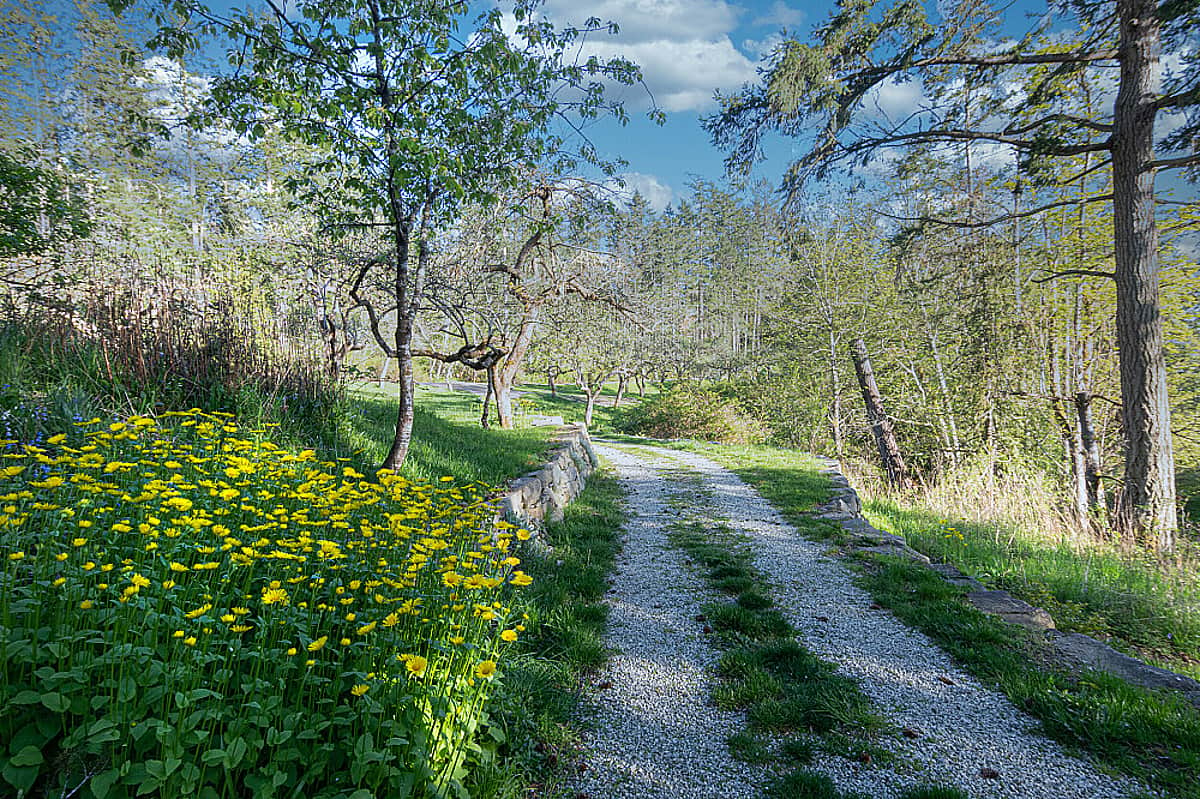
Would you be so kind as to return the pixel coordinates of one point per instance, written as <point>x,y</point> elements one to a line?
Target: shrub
<point>692,413</point>
<point>188,609</point>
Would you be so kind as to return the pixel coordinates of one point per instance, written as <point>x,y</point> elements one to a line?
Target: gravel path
<point>654,734</point>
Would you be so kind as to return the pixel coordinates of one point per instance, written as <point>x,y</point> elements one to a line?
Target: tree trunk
<point>405,314</point>
<point>1090,450</point>
<point>1147,505</point>
<point>591,407</point>
<point>622,380</point>
<point>487,399</point>
<point>504,376</point>
<point>550,375</point>
<point>1073,449</point>
<point>405,396</point>
<point>640,380</point>
<point>881,425</point>
<point>383,369</point>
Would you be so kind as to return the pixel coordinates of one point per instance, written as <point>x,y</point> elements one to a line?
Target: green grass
<point>1152,736</point>
<point>1149,735</point>
<point>790,696</point>
<point>1147,608</point>
<point>534,713</point>
<point>537,709</point>
<point>447,438</point>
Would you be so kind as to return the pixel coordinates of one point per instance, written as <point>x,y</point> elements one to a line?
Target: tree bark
<point>1090,450</point>
<point>1146,509</point>
<point>503,377</point>
<point>881,424</point>
<point>487,397</point>
<point>591,407</point>
<point>622,380</point>
<point>550,375</point>
<point>406,390</point>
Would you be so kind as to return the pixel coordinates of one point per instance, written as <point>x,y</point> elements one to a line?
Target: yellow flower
<point>178,567</point>
<point>274,596</point>
<point>316,645</point>
<point>228,618</point>
<point>16,555</point>
<point>344,642</point>
<point>360,689</point>
<point>509,635</point>
<point>198,612</point>
<point>182,504</point>
<point>291,650</point>
<point>366,628</point>
<point>391,620</point>
<point>139,580</point>
<point>190,640</point>
<point>416,665</point>
<point>177,634</point>
<point>523,534</point>
<point>11,471</point>
<point>61,556</point>
<point>458,639</point>
<point>520,578</point>
<point>87,604</point>
<point>78,542</point>
<point>485,669</point>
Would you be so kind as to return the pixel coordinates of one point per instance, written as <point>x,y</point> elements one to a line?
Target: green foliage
<point>37,210</point>
<point>691,413</point>
<point>184,603</point>
<point>53,373</point>
<point>537,705</point>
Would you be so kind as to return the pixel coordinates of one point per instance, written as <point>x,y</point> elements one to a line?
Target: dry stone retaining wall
<point>1074,649</point>
<point>541,495</point>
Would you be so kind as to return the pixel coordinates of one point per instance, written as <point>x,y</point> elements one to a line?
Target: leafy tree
<point>416,108</point>
<point>37,209</point>
<point>867,44</point>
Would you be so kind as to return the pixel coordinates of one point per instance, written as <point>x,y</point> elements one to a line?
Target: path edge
<point>844,508</point>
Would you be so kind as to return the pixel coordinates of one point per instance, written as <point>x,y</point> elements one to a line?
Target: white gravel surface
<point>654,734</point>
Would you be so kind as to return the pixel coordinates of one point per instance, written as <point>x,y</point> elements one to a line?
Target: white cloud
<point>682,46</point>
<point>651,20</point>
<point>658,194</point>
<point>761,48</point>
<point>896,99</point>
<point>781,15</point>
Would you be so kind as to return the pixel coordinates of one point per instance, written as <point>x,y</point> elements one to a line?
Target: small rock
<point>707,629</point>
<point>989,773</point>
<point>821,618</point>
<point>864,757</point>
<point>603,685</point>
<point>910,732</point>
<point>876,606</point>
<point>701,617</point>
<point>944,679</point>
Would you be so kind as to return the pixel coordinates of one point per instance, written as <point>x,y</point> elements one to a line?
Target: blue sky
<point>688,49</point>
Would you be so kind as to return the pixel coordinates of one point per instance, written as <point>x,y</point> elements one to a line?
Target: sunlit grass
<point>1147,605</point>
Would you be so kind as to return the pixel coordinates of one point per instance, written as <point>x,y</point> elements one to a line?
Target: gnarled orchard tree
<point>869,45</point>
<point>418,109</point>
